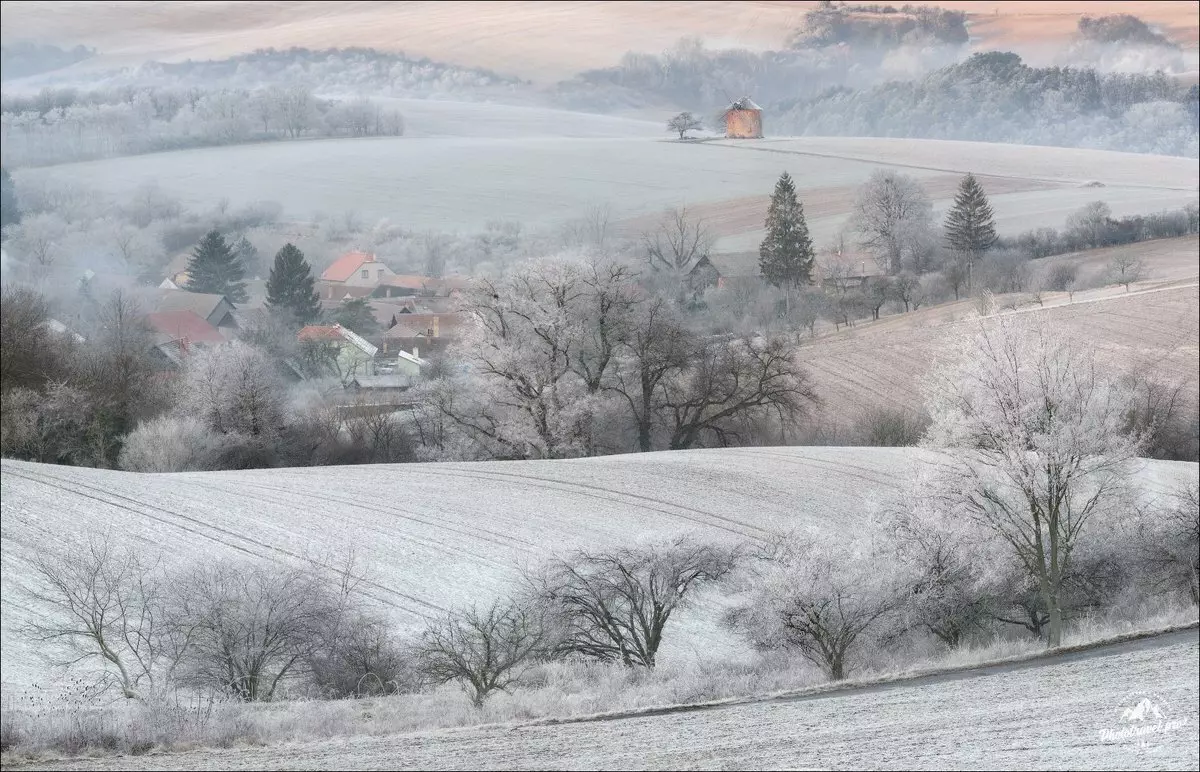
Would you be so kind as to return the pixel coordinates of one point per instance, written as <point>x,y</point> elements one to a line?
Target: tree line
<point>1025,513</point>
<point>57,126</point>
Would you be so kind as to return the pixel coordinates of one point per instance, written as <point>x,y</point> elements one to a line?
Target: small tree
<point>785,257</point>
<point>484,649</point>
<point>290,289</point>
<point>251,626</point>
<point>1125,268</point>
<point>615,605</point>
<point>889,211</point>
<point>676,247</point>
<point>970,223</point>
<point>1170,541</point>
<point>215,269</point>
<point>819,597</point>
<point>1036,444</point>
<point>683,123</point>
<point>104,603</point>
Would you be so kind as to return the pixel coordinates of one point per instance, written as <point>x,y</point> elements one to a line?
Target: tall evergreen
<point>970,224</point>
<point>785,257</point>
<point>214,268</point>
<point>290,286</point>
<point>10,213</point>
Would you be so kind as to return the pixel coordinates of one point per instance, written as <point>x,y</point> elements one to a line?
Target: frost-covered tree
<point>683,123</point>
<point>821,597</point>
<point>1169,540</point>
<point>785,257</point>
<point>614,606</point>
<point>234,389</point>
<point>1035,444</point>
<point>1125,268</point>
<point>216,269</point>
<point>676,246</point>
<point>486,649</point>
<point>890,210</point>
<point>290,289</point>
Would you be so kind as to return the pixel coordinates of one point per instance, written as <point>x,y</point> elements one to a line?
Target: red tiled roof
<point>320,332</point>
<point>345,266</point>
<point>181,324</point>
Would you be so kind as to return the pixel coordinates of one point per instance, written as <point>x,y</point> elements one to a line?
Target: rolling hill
<point>540,178</point>
<point>543,41</point>
<point>1060,712</point>
<point>436,536</point>
<point>1152,330</point>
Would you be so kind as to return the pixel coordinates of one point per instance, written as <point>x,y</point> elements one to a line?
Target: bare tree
<point>1170,540</point>
<point>730,382</point>
<point>1036,443</point>
<point>654,348</point>
<point>891,208</point>
<point>683,123</point>
<point>615,605</point>
<point>105,604</point>
<point>485,649</point>
<point>677,246</point>
<point>1125,268</point>
<point>252,626</point>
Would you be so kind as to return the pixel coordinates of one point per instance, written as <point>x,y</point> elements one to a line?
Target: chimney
<point>416,353</point>
<point>435,327</point>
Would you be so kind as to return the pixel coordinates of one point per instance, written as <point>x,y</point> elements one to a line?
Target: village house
<point>214,309</point>
<point>743,120</point>
<point>354,274</point>
<point>177,333</point>
<point>351,354</point>
<point>423,332</point>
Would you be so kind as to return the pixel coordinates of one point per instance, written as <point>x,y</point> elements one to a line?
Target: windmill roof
<point>745,103</point>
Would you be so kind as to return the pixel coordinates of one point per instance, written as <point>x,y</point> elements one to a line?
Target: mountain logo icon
<point>1145,709</point>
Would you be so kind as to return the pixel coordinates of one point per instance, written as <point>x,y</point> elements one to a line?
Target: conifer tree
<point>290,286</point>
<point>970,224</point>
<point>214,268</point>
<point>785,257</point>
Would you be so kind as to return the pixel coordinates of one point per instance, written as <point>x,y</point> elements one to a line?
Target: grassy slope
<point>1051,714</point>
<point>545,41</point>
<point>440,535</point>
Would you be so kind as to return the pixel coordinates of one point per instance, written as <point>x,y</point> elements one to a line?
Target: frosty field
<point>443,535</point>
<point>528,174</point>
<point>1057,713</point>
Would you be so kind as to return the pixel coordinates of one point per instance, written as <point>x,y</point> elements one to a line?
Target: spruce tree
<point>785,257</point>
<point>215,269</point>
<point>10,212</point>
<point>970,224</point>
<point>290,286</point>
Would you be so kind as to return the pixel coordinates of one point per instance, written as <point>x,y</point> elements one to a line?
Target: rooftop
<point>345,266</point>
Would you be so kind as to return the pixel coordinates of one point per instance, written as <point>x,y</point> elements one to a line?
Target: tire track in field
<point>66,486</point>
<point>437,546</point>
<point>840,467</point>
<point>550,484</point>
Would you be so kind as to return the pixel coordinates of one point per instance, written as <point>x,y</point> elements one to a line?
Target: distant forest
<point>20,60</point>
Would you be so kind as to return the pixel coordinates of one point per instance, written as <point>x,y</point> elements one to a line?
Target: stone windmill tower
<point>743,120</point>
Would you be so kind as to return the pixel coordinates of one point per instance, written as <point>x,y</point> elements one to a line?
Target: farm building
<point>743,120</point>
